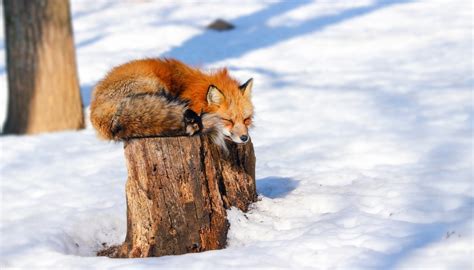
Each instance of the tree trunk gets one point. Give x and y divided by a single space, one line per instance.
43 85
178 189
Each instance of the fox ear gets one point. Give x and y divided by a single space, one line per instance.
246 88
214 95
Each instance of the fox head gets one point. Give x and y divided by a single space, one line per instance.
234 107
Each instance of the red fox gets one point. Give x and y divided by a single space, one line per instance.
165 97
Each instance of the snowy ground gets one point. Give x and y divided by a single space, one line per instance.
363 137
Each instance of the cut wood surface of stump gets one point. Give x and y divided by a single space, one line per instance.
178 190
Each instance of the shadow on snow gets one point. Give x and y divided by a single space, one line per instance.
252 32
276 187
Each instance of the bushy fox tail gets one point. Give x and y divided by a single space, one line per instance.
139 115
144 115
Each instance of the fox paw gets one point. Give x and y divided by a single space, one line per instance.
192 122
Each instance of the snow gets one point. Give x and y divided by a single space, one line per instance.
363 137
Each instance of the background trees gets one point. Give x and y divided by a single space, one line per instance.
43 87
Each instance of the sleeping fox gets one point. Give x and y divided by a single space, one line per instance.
165 97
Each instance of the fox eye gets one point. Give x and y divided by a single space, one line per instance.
228 121
248 121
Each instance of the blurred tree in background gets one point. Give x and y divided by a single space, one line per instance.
43 86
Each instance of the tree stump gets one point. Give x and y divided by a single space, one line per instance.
178 189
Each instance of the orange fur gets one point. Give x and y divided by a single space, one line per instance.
134 99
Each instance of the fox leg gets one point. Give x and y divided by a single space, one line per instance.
192 122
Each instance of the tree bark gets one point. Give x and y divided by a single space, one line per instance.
42 78
178 190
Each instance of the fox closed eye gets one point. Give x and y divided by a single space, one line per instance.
228 121
248 121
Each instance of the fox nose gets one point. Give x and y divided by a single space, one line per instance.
244 138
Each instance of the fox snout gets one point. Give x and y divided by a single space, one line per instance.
237 135
239 139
